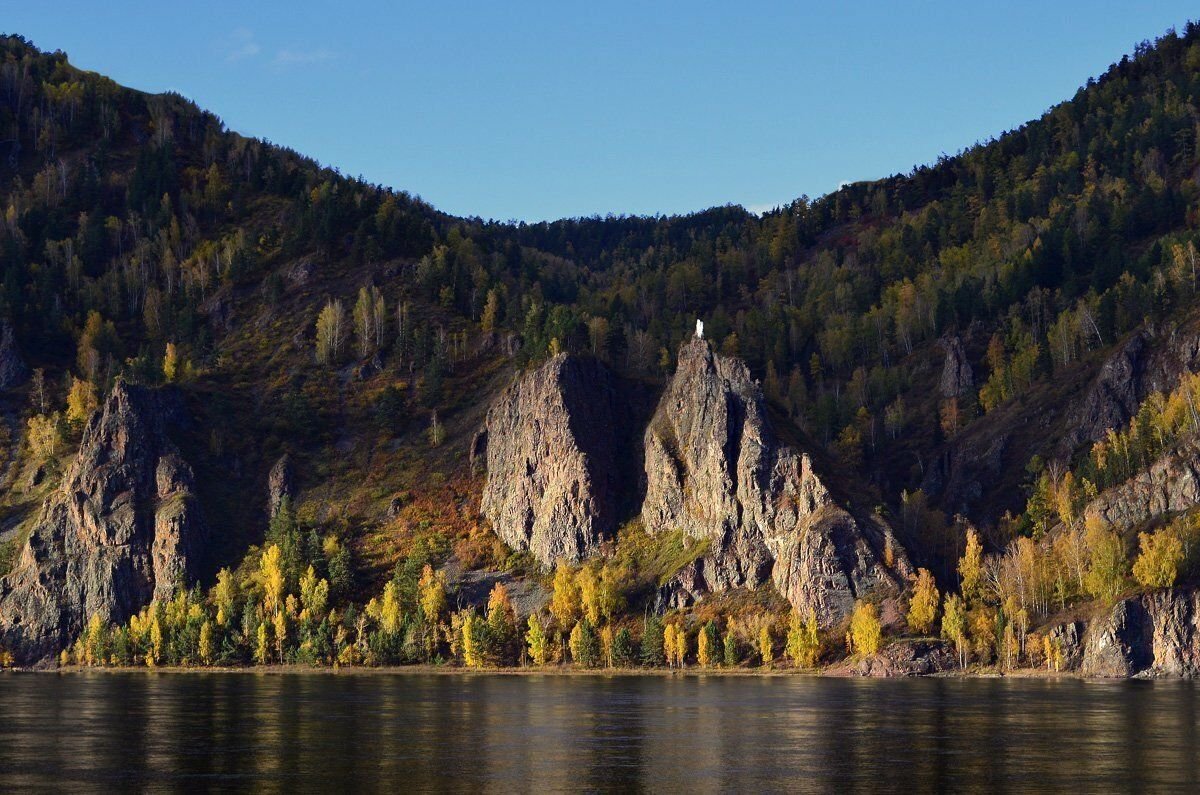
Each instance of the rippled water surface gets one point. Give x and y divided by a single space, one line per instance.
406 732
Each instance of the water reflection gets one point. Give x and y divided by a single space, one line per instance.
301 731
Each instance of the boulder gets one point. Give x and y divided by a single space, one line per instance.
121 530
909 658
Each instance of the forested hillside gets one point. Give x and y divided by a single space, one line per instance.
977 355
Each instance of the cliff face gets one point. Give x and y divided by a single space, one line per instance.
715 470
1152 635
1145 363
551 449
119 531
1171 484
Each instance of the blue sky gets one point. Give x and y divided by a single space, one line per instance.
514 110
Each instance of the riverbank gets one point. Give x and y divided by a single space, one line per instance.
838 671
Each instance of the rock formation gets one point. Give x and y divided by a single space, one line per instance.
908 658
12 367
1112 398
1068 638
1147 362
958 378
715 470
121 530
1151 635
551 447
1169 485
279 485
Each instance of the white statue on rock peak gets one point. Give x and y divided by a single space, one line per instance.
699 329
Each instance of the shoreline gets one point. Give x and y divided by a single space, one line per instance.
832 672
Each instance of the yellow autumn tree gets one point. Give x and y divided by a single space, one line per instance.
281 633
473 646
674 645
681 645
954 626
42 436
154 654
587 580
970 566
564 603
81 402
1106 564
262 645
669 642
766 643
314 595
865 629
206 643
803 645
170 363
389 609
93 641
535 639
225 596
606 645
706 645
1158 560
271 579
432 589
922 608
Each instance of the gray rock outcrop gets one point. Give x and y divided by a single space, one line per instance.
958 378
1068 638
1151 360
1113 396
1147 636
551 447
715 470
909 658
122 529
1169 485
279 485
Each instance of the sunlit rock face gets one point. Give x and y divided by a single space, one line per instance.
715 470
551 449
122 529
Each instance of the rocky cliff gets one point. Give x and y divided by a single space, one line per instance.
1149 361
715 469
1169 485
122 529
551 448
1147 636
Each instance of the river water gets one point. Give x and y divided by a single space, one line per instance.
407 732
